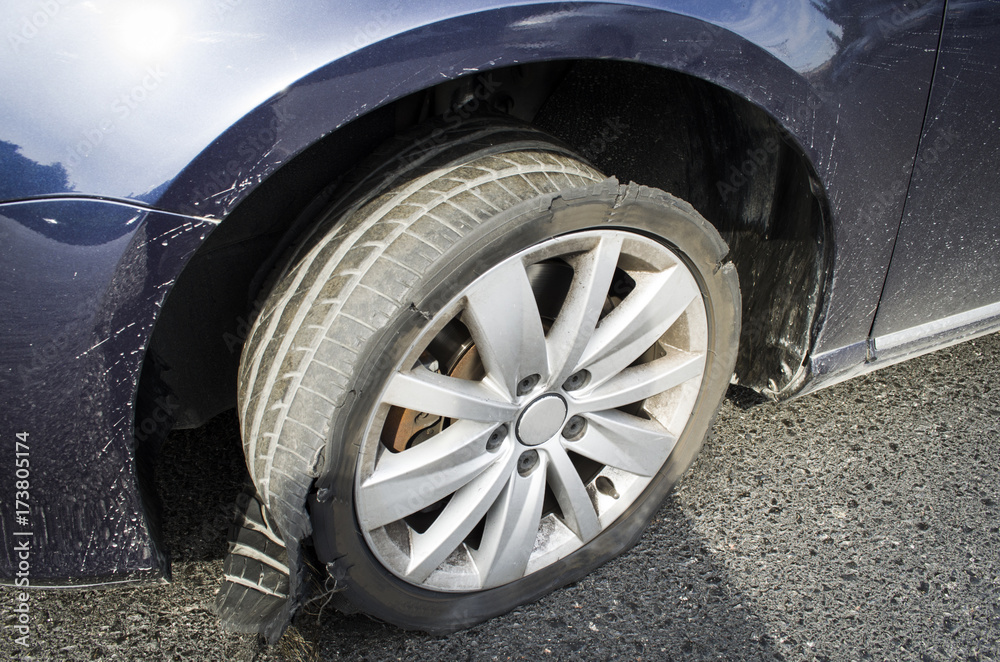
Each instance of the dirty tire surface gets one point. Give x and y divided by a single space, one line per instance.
348 277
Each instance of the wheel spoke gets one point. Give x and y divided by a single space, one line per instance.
511 528
574 501
406 482
624 441
657 301
571 332
641 382
433 393
466 508
453 512
503 317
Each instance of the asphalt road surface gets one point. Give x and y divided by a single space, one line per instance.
859 523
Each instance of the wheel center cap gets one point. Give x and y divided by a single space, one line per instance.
541 420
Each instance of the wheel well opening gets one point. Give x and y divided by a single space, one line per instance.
657 127
737 167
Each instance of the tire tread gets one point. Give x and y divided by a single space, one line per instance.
349 275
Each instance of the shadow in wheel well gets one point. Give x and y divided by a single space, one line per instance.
657 127
733 164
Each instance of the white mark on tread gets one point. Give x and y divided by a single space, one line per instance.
233 579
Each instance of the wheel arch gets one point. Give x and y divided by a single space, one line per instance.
267 174
261 174
690 41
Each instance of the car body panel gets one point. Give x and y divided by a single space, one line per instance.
947 257
833 72
847 79
80 288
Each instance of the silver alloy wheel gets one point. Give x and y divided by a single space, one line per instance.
589 352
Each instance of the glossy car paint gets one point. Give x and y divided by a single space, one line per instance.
185 109
80 286
947 257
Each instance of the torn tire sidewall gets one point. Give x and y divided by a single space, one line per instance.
337 537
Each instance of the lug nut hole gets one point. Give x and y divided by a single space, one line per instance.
525 385
527 462
576 381
574 428
496 438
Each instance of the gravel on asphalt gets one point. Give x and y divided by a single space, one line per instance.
857 523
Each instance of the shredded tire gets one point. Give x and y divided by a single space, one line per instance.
340 284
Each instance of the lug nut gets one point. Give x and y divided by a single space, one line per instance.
496 438
527 462
574 428
577 380
526 384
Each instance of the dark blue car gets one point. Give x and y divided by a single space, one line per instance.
475 275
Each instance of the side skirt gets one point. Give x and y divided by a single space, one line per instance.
844 363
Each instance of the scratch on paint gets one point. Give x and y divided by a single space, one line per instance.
94 347
833 140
